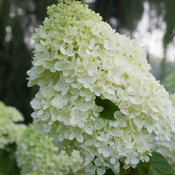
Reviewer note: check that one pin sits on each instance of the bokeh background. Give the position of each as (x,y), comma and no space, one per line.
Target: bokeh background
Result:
(150,22)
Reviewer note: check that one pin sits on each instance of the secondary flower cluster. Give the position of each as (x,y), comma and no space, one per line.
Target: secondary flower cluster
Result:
(9,129)
(96,93)
(36,155)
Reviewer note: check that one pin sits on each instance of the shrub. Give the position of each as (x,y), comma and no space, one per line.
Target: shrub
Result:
(96,93)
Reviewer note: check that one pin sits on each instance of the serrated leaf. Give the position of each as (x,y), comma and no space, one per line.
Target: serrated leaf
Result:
(109,108)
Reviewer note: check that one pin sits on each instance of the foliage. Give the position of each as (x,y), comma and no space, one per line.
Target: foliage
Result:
(169,82)
(160,165)
(109,108)
(8,165)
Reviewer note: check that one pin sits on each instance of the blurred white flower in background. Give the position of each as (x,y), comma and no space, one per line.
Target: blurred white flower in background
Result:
(36,155)
(10,130)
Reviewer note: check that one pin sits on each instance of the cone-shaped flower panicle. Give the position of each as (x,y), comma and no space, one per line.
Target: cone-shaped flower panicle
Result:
(96,93)
(10,130)
(36,155)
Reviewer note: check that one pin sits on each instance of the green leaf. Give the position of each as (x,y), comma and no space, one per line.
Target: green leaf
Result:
(8,165)
(143,168)
(109,172)
(4,162)
(160,165)
(130,171)
(122,171)
(14,170)
(109,108)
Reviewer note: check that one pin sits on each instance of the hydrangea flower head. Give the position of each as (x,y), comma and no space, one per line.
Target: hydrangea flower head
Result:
(36,155)
(9,129)
(96,93)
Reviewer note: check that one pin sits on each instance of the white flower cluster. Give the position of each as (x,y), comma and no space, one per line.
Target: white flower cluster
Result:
(36,155)
(167,149)
(96,93)
(9,129)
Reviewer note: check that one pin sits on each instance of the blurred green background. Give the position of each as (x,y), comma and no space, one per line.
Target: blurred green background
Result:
(151,23)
